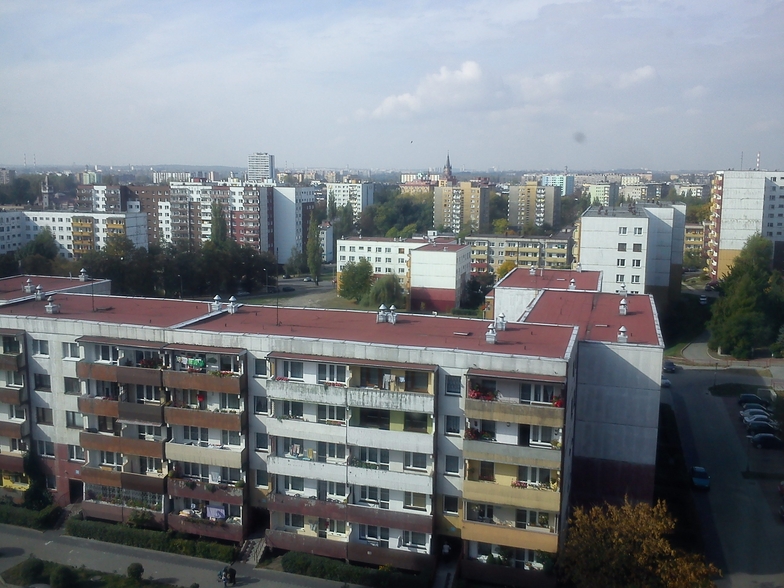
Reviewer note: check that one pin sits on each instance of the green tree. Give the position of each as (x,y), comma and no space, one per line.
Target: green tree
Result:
(355,280)
(500,226)
(219,234)
(505,268)
(499,207)
(622,546)
(314,251)
(386,290)
(697,213)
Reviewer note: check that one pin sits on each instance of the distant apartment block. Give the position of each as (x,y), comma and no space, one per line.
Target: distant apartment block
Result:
(489,252)
(462,206)
(7,175)
(327,241)
(564,182)
(261,167)
(534,204)
(164,177)
(605,193)
(439,273)
(358,194)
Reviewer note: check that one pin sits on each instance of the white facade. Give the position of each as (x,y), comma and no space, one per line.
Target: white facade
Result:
(288,201)
(359,195)
(564,182)
(261,167)
(387,256)
(438,267)
(327,243)
(12,235)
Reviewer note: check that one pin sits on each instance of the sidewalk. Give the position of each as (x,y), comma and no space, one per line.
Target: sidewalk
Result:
(18,543)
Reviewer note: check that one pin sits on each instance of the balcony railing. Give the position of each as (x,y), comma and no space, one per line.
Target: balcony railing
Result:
(228,421)
(201,490)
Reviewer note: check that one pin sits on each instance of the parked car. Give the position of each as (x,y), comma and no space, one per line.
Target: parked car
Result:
(669,367)
(711,286)
(307,279)
(766,441)
(665,383)
(757,428)
(750,412)
(752,398)
(758,418)
(700,480)
(753,405)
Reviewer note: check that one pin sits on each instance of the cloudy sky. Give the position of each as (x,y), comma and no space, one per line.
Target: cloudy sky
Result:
(534,84)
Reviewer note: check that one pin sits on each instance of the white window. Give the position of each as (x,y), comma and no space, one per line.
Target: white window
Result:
(377,458)
(196,434)
(414,500)
(231,438)
(620,278)
(336,489)
(621,263)
(106,353)
(296,521)
(260,367)
(294,483)
(262,478)
(415,461)
(110,458)
(414,539)
(374,495)
(636,263)
(635,279)
(40,347)
(331,373)
(374,535)
(16,412)
(75,453)
(536,393)
(638,230)
(333,415)
(452,425)
(292,369)
(621,230)
(452,465)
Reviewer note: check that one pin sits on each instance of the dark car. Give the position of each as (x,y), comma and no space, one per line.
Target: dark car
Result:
(287,289)
(700,480)
(669,367)
(757,428)
(711,286)
(752,398)
(766,441)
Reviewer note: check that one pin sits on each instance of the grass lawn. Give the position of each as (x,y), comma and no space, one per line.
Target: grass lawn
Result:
(20,575)
(675,350)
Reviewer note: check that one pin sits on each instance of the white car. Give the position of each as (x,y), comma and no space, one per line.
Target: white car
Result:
(760,418)
(753,412)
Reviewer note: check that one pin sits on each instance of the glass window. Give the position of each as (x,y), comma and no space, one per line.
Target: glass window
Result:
(231,438)
(292,369)
(332,415)
(43,382)
(260,405)
(74,420)
(294,483)
(331,373)
(262,442)
(415,422)
(261,367)
(450,504)
(621,246)
(452,425)
(294,410)
(453,385)
(295,520)
(262,478)
(45,448)
(416,461)
(40,347)
(43,416)
(637,247)
(414,500)
(75,453)
(71,385)
(452,465)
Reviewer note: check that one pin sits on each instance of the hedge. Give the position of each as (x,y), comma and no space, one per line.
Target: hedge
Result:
(147,539)
(34,519)
(315,566)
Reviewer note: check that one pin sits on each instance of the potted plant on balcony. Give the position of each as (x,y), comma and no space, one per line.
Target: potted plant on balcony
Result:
(519,484)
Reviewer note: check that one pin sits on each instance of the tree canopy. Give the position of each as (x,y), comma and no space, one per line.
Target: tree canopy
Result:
(314,251)
(355,280)
(386,290)
(626,546)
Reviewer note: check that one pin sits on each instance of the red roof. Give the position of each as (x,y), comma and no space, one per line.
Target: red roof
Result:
(12,288)
(597,315)
(554,279)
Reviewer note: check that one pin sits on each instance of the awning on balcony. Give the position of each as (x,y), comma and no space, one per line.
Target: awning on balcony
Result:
(122,342)
(204,349)
(11,332)
(515,376)
(353,361)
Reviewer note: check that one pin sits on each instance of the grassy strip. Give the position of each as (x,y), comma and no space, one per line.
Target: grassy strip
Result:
(11,514)
(148,539)
(338,571)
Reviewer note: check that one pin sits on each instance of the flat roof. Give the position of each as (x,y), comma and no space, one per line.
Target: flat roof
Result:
(415,330)
(597,315)
(554,279)
(451,247)
(12,288)
(154,312)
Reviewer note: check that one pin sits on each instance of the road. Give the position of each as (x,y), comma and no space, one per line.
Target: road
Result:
(743,534)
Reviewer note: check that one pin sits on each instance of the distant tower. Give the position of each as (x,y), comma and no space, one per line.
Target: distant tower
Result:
(46,193)
(261,167)
(447,179)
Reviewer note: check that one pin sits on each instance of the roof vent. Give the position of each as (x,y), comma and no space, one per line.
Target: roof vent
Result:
(532,271)
(622,308)
(83,277)
(233,305)
(579,267)
(500,322)
(51,307)
(28,287)
(39,292)
(622,338)
(572,284)
(623,290)
(490,336)
(383,314)
(215,305)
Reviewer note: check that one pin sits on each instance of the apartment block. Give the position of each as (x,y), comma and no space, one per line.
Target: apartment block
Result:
(564,182)
(462,206)
(489,252)
(605,193)
(358,194)
(439,273)
(261,167)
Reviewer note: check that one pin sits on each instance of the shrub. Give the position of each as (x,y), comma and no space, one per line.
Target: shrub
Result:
(330,569)
(31,571)
(43,519)
(63,577)
(135,571)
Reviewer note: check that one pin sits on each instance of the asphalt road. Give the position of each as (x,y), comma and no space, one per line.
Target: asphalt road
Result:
(743,533)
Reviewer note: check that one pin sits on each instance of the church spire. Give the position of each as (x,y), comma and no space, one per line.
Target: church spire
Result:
(448,168)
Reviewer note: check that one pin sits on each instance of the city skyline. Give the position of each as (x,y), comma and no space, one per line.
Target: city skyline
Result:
(508,85)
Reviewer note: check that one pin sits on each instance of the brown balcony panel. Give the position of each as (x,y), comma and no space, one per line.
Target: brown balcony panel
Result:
(380,556)
(199,490)
(472,569)
(539,414)
(306,544)
(387,518)
(203,418)
(145,413)
(105,372)
(510,536)
(203,381)
(142,483)
(141,447)
(11,463)
(99,442)
(307,506)
(98,406)
(11,361)
(139,375)
(13,396)
(105,512)
(206,528)
(11,429)
(91,475)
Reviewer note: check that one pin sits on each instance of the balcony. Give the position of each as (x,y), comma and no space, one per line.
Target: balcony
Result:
(385,556)
(192,417)
(15,396)
(200,490)
(12,362)
(223,530)
(306,468)
(124,445)
(420,521)
(10,462)
(283,539)
(309,393)
(98,406)
(513,412)
(100,476)
(306,430)
(388,400)
(325,509)
(210,455)
(109,372)
(404,481)
(400,440)
(529,497)
(14,429)
(514,454)
(205,382)
(138,412)
(509,536)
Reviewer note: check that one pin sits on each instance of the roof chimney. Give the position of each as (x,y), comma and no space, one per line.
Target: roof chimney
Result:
(382,315)
(622,338)
(39,292)
(83,277)
(500,322)
(28,287)
(572,284)
(51,307)
(392,316)
(532,271)
(233,305)
(579,267)
(215,305)
(623,306)
(490,336)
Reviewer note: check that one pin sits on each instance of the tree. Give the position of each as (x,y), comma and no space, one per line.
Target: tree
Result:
(314,251)
(619,546)
(505,268)
(500,226)
(499,207)
(386,290)
(219,234)
(355,280)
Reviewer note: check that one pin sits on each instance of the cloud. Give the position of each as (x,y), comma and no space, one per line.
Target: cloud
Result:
(541,89)
(638,76)
(446,88)
(695,92)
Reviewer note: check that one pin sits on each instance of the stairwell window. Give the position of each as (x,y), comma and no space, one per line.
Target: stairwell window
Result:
(414,501)
(40,347)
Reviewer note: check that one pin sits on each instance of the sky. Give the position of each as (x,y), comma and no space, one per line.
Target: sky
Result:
(534,84)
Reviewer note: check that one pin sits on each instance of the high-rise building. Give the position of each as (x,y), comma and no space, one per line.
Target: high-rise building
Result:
(261,167)
(358,194)
(564,182)
(532,204)
(462,206)
(743,203)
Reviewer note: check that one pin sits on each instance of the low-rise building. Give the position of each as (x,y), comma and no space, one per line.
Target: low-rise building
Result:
(489,252)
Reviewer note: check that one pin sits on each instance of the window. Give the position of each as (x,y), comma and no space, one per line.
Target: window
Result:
(452,425)
(296,521)
(331,373)
(71,386)
(338,527)
(43,416)
(197,434)
(414,500)
(482,513)
(374,535)
(45,448)
(261,367)
(262,478)
(450,504)
(195,470)
(294,483)
(533,475)
(452,465)
(40,347)
(150,464)
(262,442)
(231,438)
(638,230)
(331,414)
(536,393)
(621,263)
(621,230)
(336,489)
(148,393)
(230,475)
(229,401)
(635,279)
(637,247)
(621,246)
(16,412)
(620,278)
(636,263)
(106,353)
(292,369)
(43,382)
(75,453)
(111,458)
(293,410)
(414,539)
(14,378)
(74,420)
(415,422)
(375,457)
(415,461)
(373,495)
(260,405)
(417,381)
